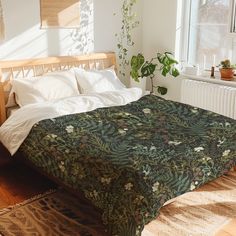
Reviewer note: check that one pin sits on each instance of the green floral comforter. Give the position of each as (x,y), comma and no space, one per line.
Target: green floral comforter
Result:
(130,160)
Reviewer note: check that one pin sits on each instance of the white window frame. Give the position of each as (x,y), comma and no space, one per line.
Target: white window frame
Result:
(183,44)
(182,30)
(232,25)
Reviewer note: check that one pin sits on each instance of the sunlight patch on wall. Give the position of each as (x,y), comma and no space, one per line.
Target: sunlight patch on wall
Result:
(57,13)
(31,43)
(28,40)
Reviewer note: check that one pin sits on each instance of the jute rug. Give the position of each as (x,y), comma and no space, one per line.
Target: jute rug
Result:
(199,213)
(55,213)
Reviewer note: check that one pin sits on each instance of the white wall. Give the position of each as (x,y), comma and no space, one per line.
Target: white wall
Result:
(159,35)
(25,39)
(100,21)
(159,25)
(107,23)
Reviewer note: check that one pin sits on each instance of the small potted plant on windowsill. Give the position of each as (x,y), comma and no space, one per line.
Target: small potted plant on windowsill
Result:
(226,70)
(141,69)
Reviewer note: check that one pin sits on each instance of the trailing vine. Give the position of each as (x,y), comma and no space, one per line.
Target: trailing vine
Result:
(124,38)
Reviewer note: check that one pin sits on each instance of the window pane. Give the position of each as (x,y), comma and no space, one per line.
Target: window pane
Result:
(209,39)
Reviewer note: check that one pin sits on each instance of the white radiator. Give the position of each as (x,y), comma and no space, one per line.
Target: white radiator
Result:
(213,97)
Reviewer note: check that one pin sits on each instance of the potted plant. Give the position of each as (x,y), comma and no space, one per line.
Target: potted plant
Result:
(142,69)
(226,70)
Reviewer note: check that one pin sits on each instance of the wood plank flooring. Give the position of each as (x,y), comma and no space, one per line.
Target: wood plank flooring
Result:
(18,182)
(211,208)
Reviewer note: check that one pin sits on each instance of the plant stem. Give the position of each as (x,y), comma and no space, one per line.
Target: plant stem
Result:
(152,89)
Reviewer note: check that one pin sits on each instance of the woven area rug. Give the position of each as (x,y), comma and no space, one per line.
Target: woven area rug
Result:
(54,213)
(199,213)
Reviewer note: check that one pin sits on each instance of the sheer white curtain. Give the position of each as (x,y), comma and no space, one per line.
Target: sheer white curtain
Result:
(2,27)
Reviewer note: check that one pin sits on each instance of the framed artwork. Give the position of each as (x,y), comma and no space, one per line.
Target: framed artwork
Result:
(60,14)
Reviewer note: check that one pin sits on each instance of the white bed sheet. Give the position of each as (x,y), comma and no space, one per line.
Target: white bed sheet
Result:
(17,127)
(11,110)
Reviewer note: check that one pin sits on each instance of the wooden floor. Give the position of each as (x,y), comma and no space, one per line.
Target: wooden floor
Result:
(19,182)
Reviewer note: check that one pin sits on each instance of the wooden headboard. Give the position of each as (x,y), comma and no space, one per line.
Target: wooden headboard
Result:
(36,67)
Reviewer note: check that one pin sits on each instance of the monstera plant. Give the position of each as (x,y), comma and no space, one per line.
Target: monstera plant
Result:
(141,68)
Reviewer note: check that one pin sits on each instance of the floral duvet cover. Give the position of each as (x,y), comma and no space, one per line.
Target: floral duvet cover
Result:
(129,160)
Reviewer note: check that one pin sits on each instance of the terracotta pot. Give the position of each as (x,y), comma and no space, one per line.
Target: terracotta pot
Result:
(227,73)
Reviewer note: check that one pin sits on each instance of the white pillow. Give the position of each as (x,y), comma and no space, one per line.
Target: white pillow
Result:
(49,87)
(97,81)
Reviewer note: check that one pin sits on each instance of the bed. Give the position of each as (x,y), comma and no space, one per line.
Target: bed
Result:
(128,158)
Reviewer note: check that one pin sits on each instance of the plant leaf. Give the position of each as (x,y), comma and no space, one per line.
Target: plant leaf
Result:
(135,75)
(165,70)
(174,72)
(148,69)
(137,61)
(162,90)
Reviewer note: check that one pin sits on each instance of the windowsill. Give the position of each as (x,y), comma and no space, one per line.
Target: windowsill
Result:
(208,79)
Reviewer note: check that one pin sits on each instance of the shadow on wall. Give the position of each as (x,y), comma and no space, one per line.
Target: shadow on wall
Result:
(25,39)
(83,37)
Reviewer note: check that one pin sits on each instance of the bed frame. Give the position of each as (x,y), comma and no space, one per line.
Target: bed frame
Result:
(35,67)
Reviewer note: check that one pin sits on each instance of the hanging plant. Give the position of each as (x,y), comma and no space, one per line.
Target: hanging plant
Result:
(124,38)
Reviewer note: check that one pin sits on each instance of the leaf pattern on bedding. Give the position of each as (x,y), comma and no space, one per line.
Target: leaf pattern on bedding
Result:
(129,160)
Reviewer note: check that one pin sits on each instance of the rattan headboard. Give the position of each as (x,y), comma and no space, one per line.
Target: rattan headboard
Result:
(35,67)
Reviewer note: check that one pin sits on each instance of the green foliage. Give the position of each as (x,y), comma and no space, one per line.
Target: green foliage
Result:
(136,64)
(141,68)
(162,90)
(125,40)
(168,64)
(165,63)
(148,69)
(226,64)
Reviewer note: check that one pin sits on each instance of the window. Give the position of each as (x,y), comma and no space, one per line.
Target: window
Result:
(233,18)
(210,27)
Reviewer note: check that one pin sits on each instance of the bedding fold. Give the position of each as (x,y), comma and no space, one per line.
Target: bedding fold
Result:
(16,128)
